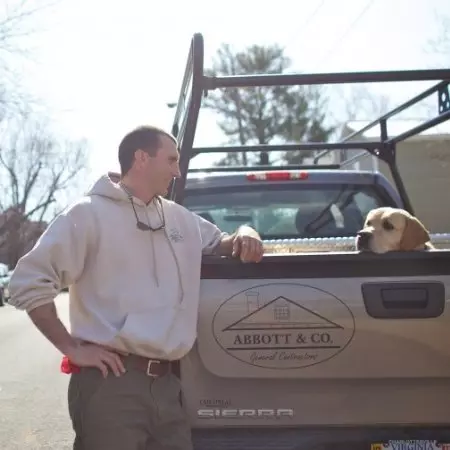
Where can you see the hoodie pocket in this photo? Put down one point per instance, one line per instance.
(151, 331)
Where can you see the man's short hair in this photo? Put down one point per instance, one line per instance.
(146, 138)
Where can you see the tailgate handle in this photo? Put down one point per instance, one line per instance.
(404, 300)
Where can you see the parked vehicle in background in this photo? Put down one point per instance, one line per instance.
(5, 275)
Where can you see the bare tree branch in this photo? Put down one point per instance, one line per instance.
(15, 21)
(35, 166)
(440, 45)
(18, 25)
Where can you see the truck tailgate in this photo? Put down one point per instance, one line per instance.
(322, 339)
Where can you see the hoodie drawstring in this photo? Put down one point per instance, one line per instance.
(155, 268)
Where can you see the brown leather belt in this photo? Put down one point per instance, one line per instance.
(151, 367)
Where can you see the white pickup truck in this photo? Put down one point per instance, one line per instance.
(318, 346)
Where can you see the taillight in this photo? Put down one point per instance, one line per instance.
(277, 176)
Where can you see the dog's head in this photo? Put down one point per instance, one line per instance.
(391, 229)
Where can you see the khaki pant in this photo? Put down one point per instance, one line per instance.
(130, 412)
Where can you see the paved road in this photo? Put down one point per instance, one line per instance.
(33, 406)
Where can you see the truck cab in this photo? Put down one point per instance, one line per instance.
(289, 204)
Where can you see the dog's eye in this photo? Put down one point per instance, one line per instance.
(368, 223)
(388, 225)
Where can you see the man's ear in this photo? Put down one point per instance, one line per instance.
(414, 235)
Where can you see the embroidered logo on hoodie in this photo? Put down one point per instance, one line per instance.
(175, 235)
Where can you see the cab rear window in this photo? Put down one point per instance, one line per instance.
(288, 212)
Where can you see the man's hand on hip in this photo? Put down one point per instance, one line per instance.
(85, 354)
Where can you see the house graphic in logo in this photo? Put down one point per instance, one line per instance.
(283, 326)
(280, 313)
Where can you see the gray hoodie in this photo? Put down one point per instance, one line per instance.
(133, 290)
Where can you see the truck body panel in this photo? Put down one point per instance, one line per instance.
(318, 346)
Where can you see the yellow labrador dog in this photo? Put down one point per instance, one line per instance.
(391, 229)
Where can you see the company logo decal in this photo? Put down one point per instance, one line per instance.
(283, 326)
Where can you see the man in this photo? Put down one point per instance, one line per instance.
(132, 260)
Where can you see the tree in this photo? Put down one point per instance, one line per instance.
(17, 19)
(264, 115)
(441, 44)
(362, 104)
(37, 168)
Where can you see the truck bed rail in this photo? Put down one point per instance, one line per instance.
(335, 244)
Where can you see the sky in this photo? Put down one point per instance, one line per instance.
(104, 67)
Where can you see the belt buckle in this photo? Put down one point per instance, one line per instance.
(149, 367)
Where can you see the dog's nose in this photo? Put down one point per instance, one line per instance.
(362, 239)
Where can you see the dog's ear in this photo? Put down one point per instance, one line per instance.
(414, 235)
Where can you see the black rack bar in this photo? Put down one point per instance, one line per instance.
(382, 121)
(418, 98)
(325, 78)
(350, 160)
(369, 145)
(195, 84)
(264, 167)
(422, 127)
(190, 99)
